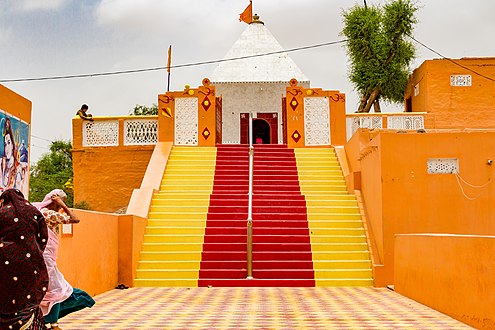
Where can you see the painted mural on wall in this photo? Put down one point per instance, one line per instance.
(14, 163)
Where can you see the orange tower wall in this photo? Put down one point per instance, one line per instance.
(15, 104)
(402, 198)
(430, 90)
(449, 273)
(104, 177)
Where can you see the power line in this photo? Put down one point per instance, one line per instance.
(100, 74)
(34, 145)
(172, 67)
(451, 60)
(37, 137)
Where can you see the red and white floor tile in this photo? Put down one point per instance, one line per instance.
(257, 308)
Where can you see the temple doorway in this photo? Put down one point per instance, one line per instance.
(265, 127)
(261, 132)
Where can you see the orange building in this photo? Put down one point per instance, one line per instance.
(457, 93)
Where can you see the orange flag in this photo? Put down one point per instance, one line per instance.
(169, 61)
(247, 14)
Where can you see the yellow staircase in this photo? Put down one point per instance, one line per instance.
(173, 241)
(338, 242)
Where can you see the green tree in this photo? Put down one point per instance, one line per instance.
(53, 171)
(142, 110)
(379, 50)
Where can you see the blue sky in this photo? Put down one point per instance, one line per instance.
(40, 38)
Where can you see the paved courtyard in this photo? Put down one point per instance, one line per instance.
(257, 308)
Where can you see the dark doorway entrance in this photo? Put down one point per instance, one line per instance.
(261, 132)
(266, 124)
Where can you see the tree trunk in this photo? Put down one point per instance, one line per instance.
(374, 95)
(376, 105)
(362, 104)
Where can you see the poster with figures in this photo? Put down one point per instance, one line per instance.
(14, 162)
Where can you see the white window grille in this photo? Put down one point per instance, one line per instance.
(443, 165)
(186, 121)
(405, 122)
(460, 80)
(316, 121)
(140, 131)
(100, 133)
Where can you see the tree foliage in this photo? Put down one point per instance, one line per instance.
(379, 51)
(53, 171)
(143, 110)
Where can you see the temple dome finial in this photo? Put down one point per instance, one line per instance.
(256, 20)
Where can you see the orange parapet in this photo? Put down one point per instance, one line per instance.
(204, 100)
(298, 102)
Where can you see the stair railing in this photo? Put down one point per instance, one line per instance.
(250, 203)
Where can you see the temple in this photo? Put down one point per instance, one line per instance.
(338, 199)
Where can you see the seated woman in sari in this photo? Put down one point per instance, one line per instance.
(23, 274)
(61, 298)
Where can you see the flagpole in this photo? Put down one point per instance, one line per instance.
(169, 61)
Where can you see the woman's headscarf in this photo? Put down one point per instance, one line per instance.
(23, 274)
(48, 198)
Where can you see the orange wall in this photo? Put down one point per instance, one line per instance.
(337, 118)
(89, 258)
(105, 177)
(294, 105)
(206, 113)
(454, 106)
(102, 252)
(372, 191)
(401, 198)
(15, 104)
(131, 236)
(452, 274)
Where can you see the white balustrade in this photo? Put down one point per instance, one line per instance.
(140, 131)
(402, 120)
(105, 133)
(100, 133)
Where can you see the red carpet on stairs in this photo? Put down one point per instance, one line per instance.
(281, 243)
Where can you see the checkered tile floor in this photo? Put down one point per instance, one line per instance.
(257, 308)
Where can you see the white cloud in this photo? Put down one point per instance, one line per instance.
(185, 16)
(5, 36)
(32, 5)
(137, 15)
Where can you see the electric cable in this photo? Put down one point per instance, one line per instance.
(459, 179)
(451, 60)
(172, 66)
(40, 138)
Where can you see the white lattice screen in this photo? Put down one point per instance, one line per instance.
(460, 80)
(366, 122)
(100, 133)
(443, 165)
(186, 121)
(316, 121)
(355, 122)
(405, 122)
(140, 131)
